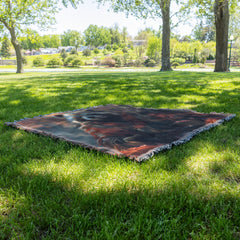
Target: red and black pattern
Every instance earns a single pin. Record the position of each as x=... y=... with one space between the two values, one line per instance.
x=136 y=133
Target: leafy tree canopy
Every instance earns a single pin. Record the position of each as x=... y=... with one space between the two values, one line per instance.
x=205 y=7
x=234 y=25
x=22 y=13
x=72 y=38
x=97 y=36
x=5 y=49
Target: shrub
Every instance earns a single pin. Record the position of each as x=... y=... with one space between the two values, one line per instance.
x=115 y=46
x=118 y=52
x=138 y=62
x=126 y=59
x=109 y=48
x=154 y=48
x=131 y=46
x=97 y=62
x=38 y=62
x=105 y=52
x=24 y=60
x=86 y=52
x=178 y=60
x=73 y=61
x=74 y=51
x=130 y=63
x=150 y=62
x=203 y=59
x=211 y=57
x=76 y=62
x=175 y=64
x=68 y=60
x=119 y=60
x=195 y=56
x=125 y=50
x=54 y=62
x=109 y=61
x=180 y=54
x=63 y=54
x=96 y=50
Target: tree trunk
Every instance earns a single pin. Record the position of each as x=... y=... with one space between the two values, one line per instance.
x=17 y=48
x=165 y=8
x=221 y=12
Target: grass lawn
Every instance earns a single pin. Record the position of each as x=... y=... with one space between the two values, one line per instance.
x=52 y=190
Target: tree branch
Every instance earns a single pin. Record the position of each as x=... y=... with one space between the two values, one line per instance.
x=5 y=23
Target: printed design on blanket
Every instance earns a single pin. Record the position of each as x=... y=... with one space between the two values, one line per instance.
x=125 y=131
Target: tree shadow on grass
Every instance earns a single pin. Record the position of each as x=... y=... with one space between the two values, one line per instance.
x=37 y=95
x=44 y=207
x=72 y=90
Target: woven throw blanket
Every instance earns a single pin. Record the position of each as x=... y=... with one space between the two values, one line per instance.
x=125 y=131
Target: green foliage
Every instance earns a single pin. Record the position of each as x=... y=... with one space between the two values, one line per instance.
x=204 y=55
x=86 y=52
x=105 y=51
x=68 y=60
x=138 y=62
x=205 y=33
x=192 y=50
x=51 y=41
x=124 y=35
x=205 y=7
x=234 y=25
x=138 y=8
x=175 y=64
x=97 y=36
x=195 y=57
x=126 y=59
x=17 y=14
x=118 y=52
x=115 y=47
x=74 y=51
x=178 y=60
x=119 y=60
x=125 y=50
x=145 y=35
x=73 y=3
x=115 y=35
x=71 y=38
x=131 y=46
x=54 y=62
x=38 y=62
x=154 y=48
x=73 y=61
x=97 y=62
x=63 y=54
x=150 y=62
x=5 y=49
x=109 y=62
x=236 y=52
x=31 y=40
x=77 y=62
x=96 y=50
x=109 y=47
x=140 y=51
x=24 y=60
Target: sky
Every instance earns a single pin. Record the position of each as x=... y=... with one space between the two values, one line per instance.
x=88 y=13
